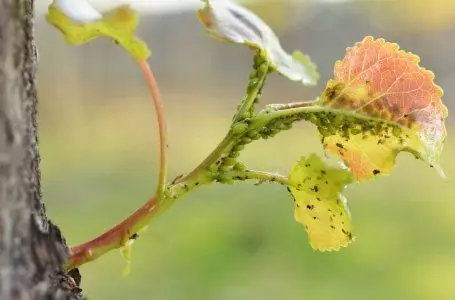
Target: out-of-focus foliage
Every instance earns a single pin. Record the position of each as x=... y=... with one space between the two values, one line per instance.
x=280 y=15
x=411 y=15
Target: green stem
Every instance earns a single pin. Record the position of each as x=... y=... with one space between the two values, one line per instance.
x=128 y=229
x=254 y=89
x=265 y=117
x=261 y=176
x=223 y=148
x=283 y=106
x=297 y=112
x=233 y=138
x=167 y=195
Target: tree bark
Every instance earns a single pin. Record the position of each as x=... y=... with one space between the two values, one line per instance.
x=32 y=250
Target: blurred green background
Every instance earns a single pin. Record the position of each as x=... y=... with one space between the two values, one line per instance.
x=99 y=157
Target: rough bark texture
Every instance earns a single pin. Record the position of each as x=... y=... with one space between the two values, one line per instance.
x=31 y=248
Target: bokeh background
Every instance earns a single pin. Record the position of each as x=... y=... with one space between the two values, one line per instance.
x=99 y=157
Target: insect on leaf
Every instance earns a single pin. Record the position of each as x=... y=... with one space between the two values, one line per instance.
x=381 y=102
x=319 y=203
x=230 y=22
x=119 y=25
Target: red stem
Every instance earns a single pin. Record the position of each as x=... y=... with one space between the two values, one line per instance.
x=159 y=109
x=116 y=237
x=127 y=229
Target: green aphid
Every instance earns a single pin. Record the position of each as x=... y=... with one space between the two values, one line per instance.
x=239 y=167
x=239 y=128
x=229 y=161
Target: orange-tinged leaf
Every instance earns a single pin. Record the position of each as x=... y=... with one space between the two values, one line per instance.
x=402 y=106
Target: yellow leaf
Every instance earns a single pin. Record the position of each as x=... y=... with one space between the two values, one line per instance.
x=119 y=25
x=319 y=203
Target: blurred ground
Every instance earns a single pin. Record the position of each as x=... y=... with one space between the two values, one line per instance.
x=98 y=145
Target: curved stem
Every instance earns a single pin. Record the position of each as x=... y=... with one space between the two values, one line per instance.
x=159 y=108
x=127 y=229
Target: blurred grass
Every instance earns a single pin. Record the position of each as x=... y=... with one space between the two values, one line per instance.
x=240 y=242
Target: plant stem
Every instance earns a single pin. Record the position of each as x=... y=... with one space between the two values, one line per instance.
x=120 y=234
x=115 y=237
x=159 y=108
x=283 y=106
x=127 y=230
x=167 y=195
x=267 y=116
x=224 y=147
x=254 y=89
x=261 y=176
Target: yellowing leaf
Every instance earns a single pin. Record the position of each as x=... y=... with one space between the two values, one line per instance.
x=379 y=103
x=319 y=203
x=120 y=25
x=230 y=22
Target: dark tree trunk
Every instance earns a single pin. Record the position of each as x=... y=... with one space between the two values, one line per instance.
x=32 y=249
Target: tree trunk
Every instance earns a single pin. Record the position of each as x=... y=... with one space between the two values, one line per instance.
x=32 y=249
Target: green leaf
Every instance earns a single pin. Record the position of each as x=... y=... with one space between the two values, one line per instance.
x=230 y=22
x=119 y=25
x=379 y=103
x=319 y=203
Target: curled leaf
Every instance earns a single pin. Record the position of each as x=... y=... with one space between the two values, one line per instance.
x=119 y=25
x=381 y=102
x=230 y=22
x=319 y=203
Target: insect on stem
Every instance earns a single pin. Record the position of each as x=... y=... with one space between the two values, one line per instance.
x=159 y=108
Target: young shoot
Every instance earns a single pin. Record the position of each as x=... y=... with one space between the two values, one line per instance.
x=379 y=103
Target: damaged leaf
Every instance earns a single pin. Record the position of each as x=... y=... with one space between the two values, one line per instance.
x=379 y=103
x=319 y=204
